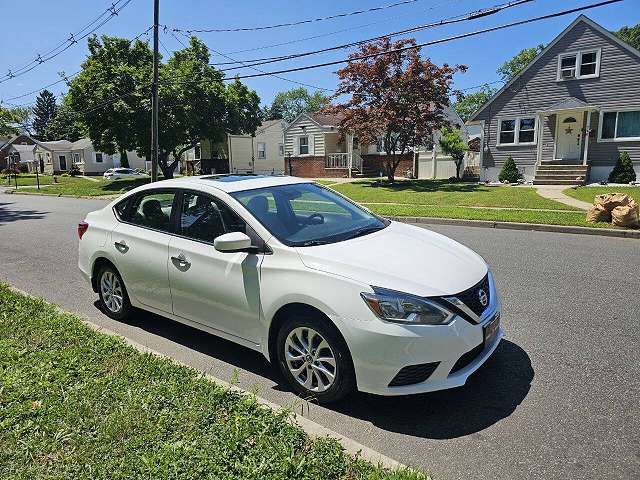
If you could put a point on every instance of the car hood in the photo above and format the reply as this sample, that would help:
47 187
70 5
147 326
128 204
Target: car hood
401 257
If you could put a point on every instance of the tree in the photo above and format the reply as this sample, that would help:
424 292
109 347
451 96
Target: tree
623 172
512 68
509 172
631 35
453 144
66 125
467 105
288 105
8 122
397 96
113 91
44 111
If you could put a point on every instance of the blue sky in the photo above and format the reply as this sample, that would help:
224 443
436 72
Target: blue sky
38 25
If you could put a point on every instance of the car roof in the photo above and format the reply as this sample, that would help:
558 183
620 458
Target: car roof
231 182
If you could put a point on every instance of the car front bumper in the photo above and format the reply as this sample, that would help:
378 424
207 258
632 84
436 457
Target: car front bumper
381 350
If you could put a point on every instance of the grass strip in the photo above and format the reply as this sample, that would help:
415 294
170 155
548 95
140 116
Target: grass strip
496 215
81 187
587 194
76 403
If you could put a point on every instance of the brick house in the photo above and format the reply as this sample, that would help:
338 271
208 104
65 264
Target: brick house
315 148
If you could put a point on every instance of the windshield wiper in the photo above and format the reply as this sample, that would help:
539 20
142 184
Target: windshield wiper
363 231
312 243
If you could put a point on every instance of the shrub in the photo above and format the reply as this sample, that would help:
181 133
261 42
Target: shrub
623 172
509 171
74 171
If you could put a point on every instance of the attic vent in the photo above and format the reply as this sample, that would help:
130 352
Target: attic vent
569 120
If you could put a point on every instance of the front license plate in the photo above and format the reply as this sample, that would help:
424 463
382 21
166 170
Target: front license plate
491 329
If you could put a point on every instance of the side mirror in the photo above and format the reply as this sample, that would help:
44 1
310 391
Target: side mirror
232 242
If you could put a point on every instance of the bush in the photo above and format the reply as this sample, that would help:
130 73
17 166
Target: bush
74 171
623 172
509 171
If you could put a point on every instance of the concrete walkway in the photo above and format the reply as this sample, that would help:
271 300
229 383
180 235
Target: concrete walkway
554 192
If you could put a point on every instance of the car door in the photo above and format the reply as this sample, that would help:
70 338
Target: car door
220 290
140 244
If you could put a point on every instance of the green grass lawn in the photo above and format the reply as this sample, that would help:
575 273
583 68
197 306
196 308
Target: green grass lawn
325 182
82 187
587 194
442 193
75 403
522 216
29 179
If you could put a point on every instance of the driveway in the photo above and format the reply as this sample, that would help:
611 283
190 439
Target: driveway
559 399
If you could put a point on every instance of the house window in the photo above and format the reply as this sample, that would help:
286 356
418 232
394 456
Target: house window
262 150
579 65
304 145
619 126
281 149
380 145
76 158
517 131
98 157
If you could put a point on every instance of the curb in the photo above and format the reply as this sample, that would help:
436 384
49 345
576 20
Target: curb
311 428
538 227
62 195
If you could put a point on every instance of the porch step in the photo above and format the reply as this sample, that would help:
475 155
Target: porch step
555 173
537 181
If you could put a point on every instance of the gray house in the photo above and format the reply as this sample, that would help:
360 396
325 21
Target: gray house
569 114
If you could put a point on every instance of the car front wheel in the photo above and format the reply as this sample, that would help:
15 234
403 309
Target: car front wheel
114 299
315 360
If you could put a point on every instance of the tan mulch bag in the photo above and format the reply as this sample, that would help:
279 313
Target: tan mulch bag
598 213
612 200
626 215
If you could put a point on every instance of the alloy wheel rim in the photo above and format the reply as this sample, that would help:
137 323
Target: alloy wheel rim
310 359
111 290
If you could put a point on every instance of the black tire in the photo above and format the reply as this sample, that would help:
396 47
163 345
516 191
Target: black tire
109 272
344 381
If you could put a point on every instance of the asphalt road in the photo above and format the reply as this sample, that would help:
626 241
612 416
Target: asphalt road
559 399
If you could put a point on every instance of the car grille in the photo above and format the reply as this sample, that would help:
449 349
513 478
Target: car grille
471 298
467 358
413 374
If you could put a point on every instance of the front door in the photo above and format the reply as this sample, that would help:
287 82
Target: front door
63 162
220 290
568 136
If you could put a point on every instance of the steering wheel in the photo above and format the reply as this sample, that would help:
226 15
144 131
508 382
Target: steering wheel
317 215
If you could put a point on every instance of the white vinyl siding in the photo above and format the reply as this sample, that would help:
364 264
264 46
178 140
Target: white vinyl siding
579 65
312 130
517 131
619 126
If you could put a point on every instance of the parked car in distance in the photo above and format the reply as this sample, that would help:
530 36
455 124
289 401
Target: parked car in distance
339 298
117 173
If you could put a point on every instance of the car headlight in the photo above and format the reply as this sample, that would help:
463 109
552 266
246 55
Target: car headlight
404 308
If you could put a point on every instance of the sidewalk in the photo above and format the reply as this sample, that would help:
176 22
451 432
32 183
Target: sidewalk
554 192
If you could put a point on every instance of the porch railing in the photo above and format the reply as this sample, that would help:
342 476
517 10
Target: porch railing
341 160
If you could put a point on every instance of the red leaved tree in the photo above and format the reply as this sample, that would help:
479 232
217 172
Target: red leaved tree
398 97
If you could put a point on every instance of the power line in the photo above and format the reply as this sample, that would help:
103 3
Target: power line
299 22
69 42
335 32
445 21
65 78
433 42
253 68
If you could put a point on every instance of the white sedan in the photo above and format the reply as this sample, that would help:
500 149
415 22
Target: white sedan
118 173
339 298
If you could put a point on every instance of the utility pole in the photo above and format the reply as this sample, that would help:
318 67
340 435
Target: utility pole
154 94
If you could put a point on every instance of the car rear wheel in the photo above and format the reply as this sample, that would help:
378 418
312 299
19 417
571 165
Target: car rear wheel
113 294
315 360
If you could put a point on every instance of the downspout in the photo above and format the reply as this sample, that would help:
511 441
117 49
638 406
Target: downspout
586 139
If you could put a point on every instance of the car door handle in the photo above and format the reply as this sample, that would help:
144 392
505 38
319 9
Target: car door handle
181 261
121 246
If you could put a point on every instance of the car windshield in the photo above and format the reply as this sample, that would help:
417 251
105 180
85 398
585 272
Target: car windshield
307 214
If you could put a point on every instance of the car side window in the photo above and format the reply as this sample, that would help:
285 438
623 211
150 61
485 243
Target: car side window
204 218
152 210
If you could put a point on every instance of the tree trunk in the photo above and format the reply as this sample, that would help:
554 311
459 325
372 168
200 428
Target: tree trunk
166 167
458 163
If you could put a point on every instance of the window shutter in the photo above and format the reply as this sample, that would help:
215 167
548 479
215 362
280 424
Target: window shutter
311 143
296 146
